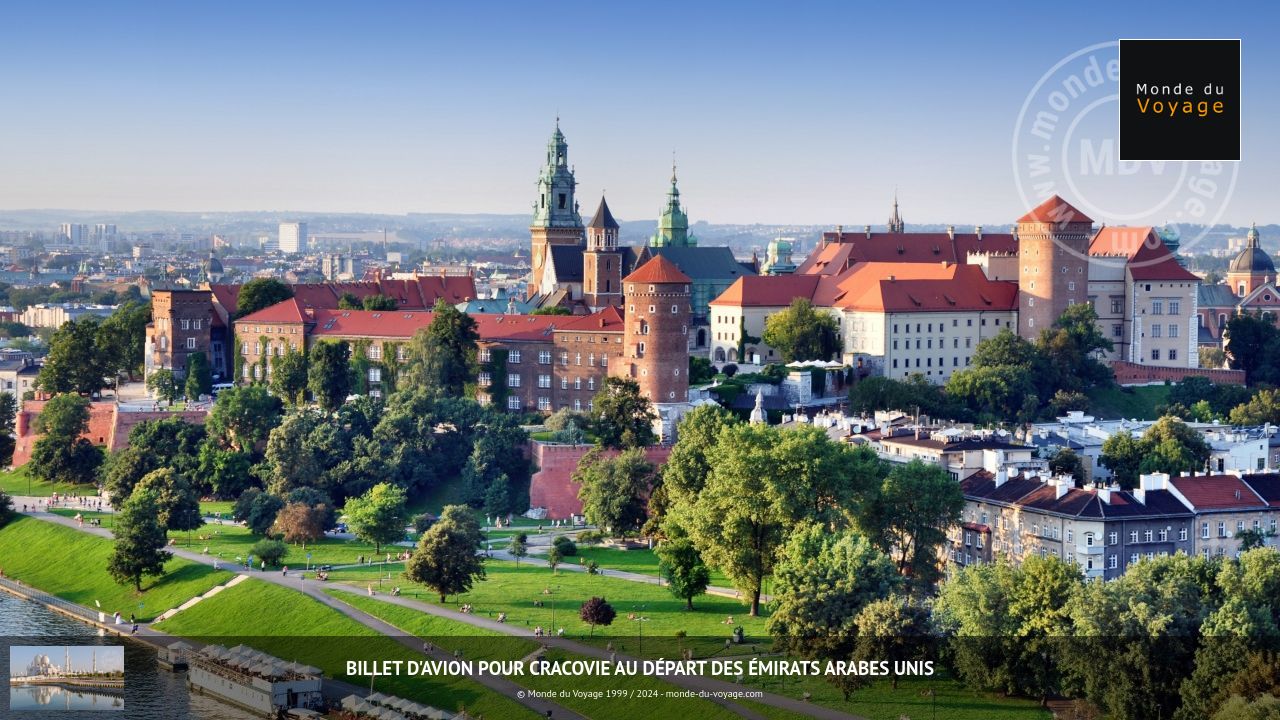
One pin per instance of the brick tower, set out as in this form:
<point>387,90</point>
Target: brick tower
<point>656,338</point>
<point>602,261</point>
<point>1053,263</point>
<point>555,213</point>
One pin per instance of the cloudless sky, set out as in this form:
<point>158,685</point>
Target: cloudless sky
<point>779,112</point>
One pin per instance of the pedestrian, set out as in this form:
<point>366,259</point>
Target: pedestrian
<point>264,566</point>
<point>285,571</point>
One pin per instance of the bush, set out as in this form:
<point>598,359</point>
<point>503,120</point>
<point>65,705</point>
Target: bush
<point>590,537</point>
<point>593,567</point>
<point>561,418</point>
<point>422,522</point>
<point>729,370</point>
<point>272,551</point>
<point>565,545</point>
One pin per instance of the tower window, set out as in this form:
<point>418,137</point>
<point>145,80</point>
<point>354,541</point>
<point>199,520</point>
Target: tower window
<point>562,201</point>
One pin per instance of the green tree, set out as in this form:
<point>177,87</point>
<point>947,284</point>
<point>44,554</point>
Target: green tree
<point>138,550</point>
<point>223,473</point>
<point>614,489</point>
<point>996,393</point>
<point>1252,341</point>
<point>329,375</point>
<point>519,547</point>
<point>349,301</point>
<point>802,333</point>
<point>621,417</point>
<point>688,465</point>
<point>122,337</point>
<point>8,414</point>
<point>257,510</point>
<point>1067,462</point>
<point>448,558</point>
<point>289,377</point>
<point>6,508</point>
<point>700,370</point>
<point>74,363</point>
<point>163,385</point>
<point>909,517</point>
<point>379,302</point>
<point>687,576</point>
<point>242,418</point>
<point>1263,407</point>
<point>597,611</point>
<point>893,629</point>
<point>1122,454</point>
<point>261,293</point>
<point>177,503</point>
<point>62,454</point>
<point>821,583</point>
<point>269,551</point>
<point>551,310</point>
<point>1264,707</point>
<point>199,376</point>
<point>378,516</point>
<point>554,557</point>
<point>1072,348</point>
<point>1171,446</point>
<point>442,356</point>
<point>171,443</point>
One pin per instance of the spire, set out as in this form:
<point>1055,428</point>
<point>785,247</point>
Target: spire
<point>895,221</point>
<point>673,221</point>
<point>1253,235</point>
<point>555,205</point>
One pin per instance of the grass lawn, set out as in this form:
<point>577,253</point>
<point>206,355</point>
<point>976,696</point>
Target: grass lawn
<point>20,482</point>
<point>640,560</point>
<point>229,541</point>
<point>912,699</point>
<point>513,590</point>
<point>72,565</point>
<point>1110,403</point>
<point>292,626</point>
<point>480,644</point>
<point>214,507</point>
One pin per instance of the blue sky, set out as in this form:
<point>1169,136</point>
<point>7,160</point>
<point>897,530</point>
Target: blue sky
<point>779,112</point>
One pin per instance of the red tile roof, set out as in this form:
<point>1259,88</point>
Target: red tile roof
<point>607,320</point>
<point>658,270</point>
<point>1217,492</point>
<point>287,311</point>
<point>916,287</point>
<point>1055,210</point>
<point>1148,258</point>
<point>843,250</point>
<point>768,290</point>
<point>419,293</point>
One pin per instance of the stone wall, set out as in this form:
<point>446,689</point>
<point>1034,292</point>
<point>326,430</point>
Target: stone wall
<point>552,486</point>
<point>1133,374</point>
<point>108,426</point>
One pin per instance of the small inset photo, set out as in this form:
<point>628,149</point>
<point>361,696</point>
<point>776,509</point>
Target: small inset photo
<point>66,677</point>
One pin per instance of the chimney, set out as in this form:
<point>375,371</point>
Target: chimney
<point>951,232</point>
<point>1002,475</point>
<point>1104,494</point>
<point>978,231</point>
<point>892,278</point>
<point>867,229</point>
<point>1062,486</point>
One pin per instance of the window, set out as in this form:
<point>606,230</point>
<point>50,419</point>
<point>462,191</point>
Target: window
<point>675,309</point>
<point>1133,558</point>
<point>483,355</point>
<point>1157,307</point>
<point>564,357</point>
<point>1069,535</point>
<point>1133,536</point>
<point>375,374</point>
<point>544,404</point>
<point>564,383</point>
<point>513,403</point>
<point>1117,330</point>
<point>1112,562</point>
<point>1147,536</point>
<point>1182,535</point>
<point>604,360</point>
<point>591,359</point>
<point>513,380</point>
<point>244,348</point>
<point>577,383</point>
<point>191,343</point>
<point>186,324</point>
<point>544,357</point>
<point>195,324</point>
<point>1113,538</point>
<point>1222,529</point>
<point>514,357</point>
<point>1116,306</point>
<point>484,380</point>
<point>1155,331</point>
<point>1164,535</point>
<point>1204,530</point>
<point>1174,307</point>
<point>1173,330</point>
<point>375,352</point>
<point>544,381</point>
<point>591,383</point>
<point>1155,354</point>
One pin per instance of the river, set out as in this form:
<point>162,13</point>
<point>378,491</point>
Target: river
<point>151,693</point>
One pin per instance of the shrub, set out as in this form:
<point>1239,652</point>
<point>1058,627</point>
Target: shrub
<point>590,537</point>
<point>422,522</point>
<point>272,551</point>
<point>565,545</point>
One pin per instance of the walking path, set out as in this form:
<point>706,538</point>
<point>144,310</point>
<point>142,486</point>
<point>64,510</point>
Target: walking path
<point>314,589</point>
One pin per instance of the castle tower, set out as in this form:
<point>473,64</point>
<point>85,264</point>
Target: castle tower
<point>673,223</point>
<point>1252,268</point>
<point>555,213</point>
<point>602,261</point>
<point>1053,263</point>
<point>656,338</point>
<point>895,223</point>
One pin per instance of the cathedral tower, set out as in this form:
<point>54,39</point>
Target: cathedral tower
<point>602,261</point>
<point>1053,263</point>
<point>1252,268</point>
<point>555,213</point>
<point>895,223</point>
<point>673,223</point>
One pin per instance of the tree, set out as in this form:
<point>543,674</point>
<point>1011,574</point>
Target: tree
<point>687,575</point>
<point>242,417</point>
<point>1264,707</point>
<point>554,557</point>
<point>62,454</point>
<point>269,551</point>
<point>199,376</point>
<point>1072,348</point>
<point>802,333</point>
<point>349,301</point>
<point>329,375</point>
<point>1122,454</point>
<point>597,611</point>
<point>1213,357</point>
<point>378,516</point>
<point>1067,462</point>
<point>614,489</point>
<point>442,356</point>
<point>177,504</point>
<point>1250,538</point>
<point>688,464</point>
<point>621,417</point>
<point>8,414</point>
<point>379,302</point>
<point>996,393</point>
<point>1251,343</point>
<point>257,510</point>
<point>822,581</point>
<point>223,473</point>
<point>910,515</point>
<point>6,508</point>
<point>700,370</point>
<point>551,310</point>
<point>139,541</point>
<point>448,558</point>
<point>518,547</point>
<point>289,377</point>
<point>261,293</point>
<point>1263,407</point>
<point>1171,446</point>
<point>163,385</point>
<point>74,363</point>
<point>171,443</point>
<point>299,523</point>
<point>893,629</point>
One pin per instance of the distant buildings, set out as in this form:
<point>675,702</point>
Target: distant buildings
<point>292,237</point>
<point>55,315</point>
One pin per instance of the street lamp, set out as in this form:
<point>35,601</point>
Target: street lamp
<point>640,621</point>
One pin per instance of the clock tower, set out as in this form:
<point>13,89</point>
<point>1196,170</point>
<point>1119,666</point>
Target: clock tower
<point>556,220</point>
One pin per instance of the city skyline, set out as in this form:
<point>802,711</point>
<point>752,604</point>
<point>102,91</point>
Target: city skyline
<point>109,658</point>
<point>801,116</point>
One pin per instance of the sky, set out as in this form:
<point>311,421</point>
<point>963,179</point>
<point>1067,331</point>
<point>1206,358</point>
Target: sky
<point>797,112</point>
<point>109,657</point>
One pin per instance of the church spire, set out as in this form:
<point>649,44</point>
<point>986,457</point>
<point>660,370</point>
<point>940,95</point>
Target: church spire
<point>673,223</point>
<point>556,206</point>
<point>895,221</point>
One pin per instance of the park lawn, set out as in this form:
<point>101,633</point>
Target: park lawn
<point>228,541</point>
<point>72,565</point>
<point>480,644</point>
<point>512,590</point>
<point>86,515</point>
<point>292,626</point>
<point>769,711</point>
<point>640,560</point>
<point>212,508</point>
<point>19,481</point>
<point>1113,402</point>
<point>880,701</point>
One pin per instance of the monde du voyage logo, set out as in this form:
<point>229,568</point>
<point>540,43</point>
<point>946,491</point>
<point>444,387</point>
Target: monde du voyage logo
<point>1180,100</point>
